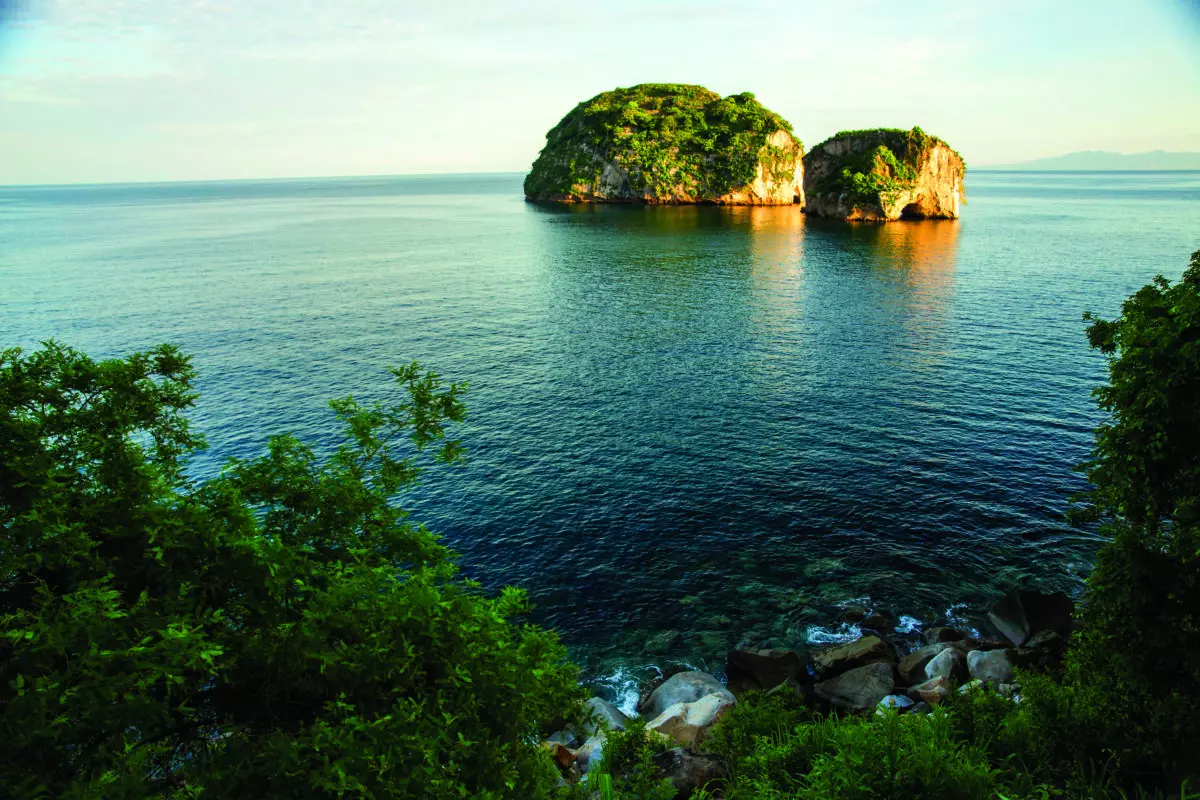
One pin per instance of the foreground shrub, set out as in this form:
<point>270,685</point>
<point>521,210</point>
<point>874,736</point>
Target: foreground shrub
<point>278,631</point>
<point>1132,679</point>
<point>777,751</point>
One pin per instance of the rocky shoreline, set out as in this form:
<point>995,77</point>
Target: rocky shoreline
<point>892,663</point>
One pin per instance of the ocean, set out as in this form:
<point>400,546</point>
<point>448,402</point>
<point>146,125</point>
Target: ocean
<point>690,428</point>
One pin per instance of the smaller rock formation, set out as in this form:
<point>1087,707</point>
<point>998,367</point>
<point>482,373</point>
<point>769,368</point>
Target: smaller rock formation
<point>883,174</point>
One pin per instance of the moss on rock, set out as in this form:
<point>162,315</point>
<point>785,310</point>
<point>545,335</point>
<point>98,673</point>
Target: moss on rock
<point>669,143</point>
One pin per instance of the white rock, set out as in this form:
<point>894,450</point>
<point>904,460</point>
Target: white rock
<point>688,723</point>
<point>684,687</point>
<point>993,666</point>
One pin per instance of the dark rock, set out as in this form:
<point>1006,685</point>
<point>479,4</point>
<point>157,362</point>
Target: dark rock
<point>854,613</point>
<point>973,643</point>
<point>877,622</point>
<point>867,650</point>
<point>1048,640</point>
<point>683,687</point>
<point>761,669</point>
<point>688,771</point>
<point>1008,617</point>
<point>1020,614</point>
<point>943,634</point>
<point>912,666</point>
<point>859,689</point>
<point>920,708</point>
<point>1048,612</point>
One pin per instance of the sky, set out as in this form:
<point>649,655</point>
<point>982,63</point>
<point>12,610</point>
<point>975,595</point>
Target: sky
<point>151,90</point>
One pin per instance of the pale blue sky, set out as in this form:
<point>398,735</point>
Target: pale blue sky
<point>131,90</point>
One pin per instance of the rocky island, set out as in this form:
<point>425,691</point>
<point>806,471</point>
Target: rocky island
<point>669,143</point>
<point>883,174</point>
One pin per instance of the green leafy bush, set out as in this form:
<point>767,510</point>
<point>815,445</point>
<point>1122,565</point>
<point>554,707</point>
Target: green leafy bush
<point>777,751</point>
<point>1132,678</point>
<point>669,137</point>
<point>279,631</point>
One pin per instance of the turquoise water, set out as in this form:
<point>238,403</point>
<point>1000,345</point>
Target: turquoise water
<point>714,422</point>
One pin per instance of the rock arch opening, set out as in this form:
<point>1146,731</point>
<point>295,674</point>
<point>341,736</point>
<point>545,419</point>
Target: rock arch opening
<point>912,211</point>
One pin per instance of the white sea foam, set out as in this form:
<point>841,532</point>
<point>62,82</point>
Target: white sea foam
<point>908,624</point>
<point>956,619</point>
<point>625,690</point>
<point>842,634</point>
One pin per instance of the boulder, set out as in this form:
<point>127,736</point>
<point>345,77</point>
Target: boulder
<point>688,723</point>
<point>883,174</point>
<point>943,634</point>
<point>682,687</point>
<point>867,650</point>
<point>761,669</point>
<point>669,143</point>
<point>949,664</point>
<point>859,689</point>
<point>991,666</point>
<point>606,716</point>
<point>912,666</point>
<point>688,771</point>
<point>1020,614</point>
<point>932,691</point>
<point>920,708</point>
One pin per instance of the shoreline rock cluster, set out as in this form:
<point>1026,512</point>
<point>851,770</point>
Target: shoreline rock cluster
<point>887,667</point>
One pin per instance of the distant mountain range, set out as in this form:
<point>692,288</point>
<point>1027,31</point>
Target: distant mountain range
<point>1102,159</point>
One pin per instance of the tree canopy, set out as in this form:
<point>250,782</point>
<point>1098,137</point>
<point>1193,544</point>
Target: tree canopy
<point>279,630</point>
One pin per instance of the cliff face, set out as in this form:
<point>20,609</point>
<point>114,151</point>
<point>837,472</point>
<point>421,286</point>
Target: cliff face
<point>883,174</point>
<point>669,143</point>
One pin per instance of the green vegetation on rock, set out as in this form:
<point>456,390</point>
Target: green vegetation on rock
<point>883,163</point>
<point>672,139</point>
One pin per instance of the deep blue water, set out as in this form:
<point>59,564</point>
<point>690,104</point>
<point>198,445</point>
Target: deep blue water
<point>711,421</point>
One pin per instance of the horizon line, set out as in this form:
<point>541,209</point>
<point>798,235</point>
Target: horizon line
<point>1011,167</point>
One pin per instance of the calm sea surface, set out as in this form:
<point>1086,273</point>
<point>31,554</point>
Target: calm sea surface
<point>707,426</point>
